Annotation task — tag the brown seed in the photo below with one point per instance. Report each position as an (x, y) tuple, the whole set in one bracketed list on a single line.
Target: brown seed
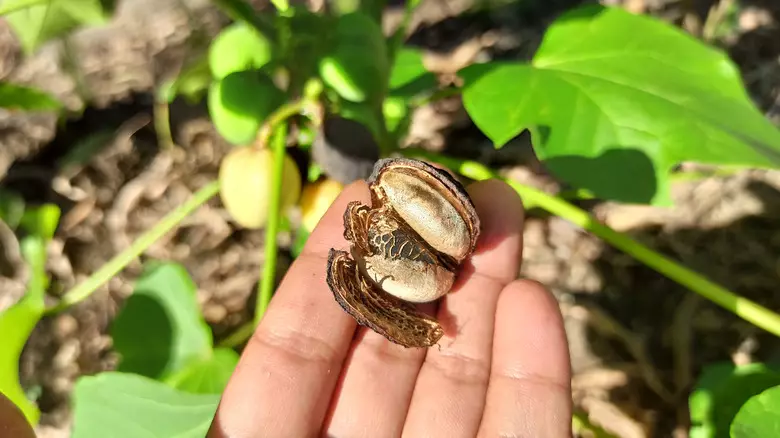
[(405, 249)]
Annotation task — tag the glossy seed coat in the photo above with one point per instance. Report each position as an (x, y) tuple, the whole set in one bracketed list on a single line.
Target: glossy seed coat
[(405, 249)]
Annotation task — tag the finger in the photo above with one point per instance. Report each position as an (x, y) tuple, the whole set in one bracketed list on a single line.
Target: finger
[(530, 390), (450, 392), (12, 421), (378, 367), (287, 372)]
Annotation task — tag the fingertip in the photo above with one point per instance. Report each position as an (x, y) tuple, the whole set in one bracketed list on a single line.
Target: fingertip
[(12, 420), (530, 387), (529, 319)]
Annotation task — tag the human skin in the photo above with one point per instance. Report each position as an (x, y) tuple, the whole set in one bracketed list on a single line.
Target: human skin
[(12, 421), (501, 369)]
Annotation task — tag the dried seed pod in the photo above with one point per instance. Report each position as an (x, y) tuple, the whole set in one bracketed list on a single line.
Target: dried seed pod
[(405, 249)]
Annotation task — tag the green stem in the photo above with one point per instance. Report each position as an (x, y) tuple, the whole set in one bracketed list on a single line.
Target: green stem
[(740, 306), (141, 244), (20, 5), (267, 280), (162, 124), (238, 337), (270, 126)]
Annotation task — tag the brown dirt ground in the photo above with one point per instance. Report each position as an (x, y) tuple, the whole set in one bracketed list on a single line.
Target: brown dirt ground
[(637, 339)]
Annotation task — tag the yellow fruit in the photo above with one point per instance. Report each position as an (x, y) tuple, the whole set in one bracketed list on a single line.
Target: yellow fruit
[(246, 180), (316, 199)]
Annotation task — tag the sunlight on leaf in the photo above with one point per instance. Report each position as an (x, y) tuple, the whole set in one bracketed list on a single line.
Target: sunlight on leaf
[(132, 406), (720, 392), (45, 21), (192, 82), (240, 102), (409, 77), (207, 376), (605, 81), (758, 417)]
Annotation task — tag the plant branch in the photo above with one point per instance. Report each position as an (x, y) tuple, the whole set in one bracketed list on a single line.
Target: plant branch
[(282, 113), (141, 244), (738, 305), (268, 277)]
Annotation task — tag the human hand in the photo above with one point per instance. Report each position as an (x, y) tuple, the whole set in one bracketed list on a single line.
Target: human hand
[(12, 421), (502, 369)]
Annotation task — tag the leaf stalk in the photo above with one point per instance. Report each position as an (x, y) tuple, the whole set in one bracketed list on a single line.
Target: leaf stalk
[(742, 307)]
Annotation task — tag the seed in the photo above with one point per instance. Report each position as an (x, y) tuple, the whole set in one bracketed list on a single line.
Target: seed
[(405, 249)]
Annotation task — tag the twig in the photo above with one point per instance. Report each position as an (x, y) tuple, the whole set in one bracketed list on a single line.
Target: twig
[(116, 264), (268, 276)]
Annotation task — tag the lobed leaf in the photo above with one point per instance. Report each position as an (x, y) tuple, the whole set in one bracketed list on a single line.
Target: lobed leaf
[(615, 100)]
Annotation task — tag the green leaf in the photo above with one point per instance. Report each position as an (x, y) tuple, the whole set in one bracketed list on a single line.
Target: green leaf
[(12, 207), (207, 376), (16, 324), (363, 113), (720, 392), (409, 77), (372, 8), (615, 100), (242, 11), (41, 221), (240, 102), (132, 406), (159, 330), (303, 37), (357, 64), (238, 47), (191, 82), (40, 23), (18, 97), (758, 417)]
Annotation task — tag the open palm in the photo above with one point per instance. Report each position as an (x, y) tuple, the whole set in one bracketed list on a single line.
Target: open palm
[(502, 368)]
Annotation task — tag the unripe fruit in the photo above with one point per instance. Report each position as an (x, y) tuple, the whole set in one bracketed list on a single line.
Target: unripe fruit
[(246, 181), (316, 199)]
